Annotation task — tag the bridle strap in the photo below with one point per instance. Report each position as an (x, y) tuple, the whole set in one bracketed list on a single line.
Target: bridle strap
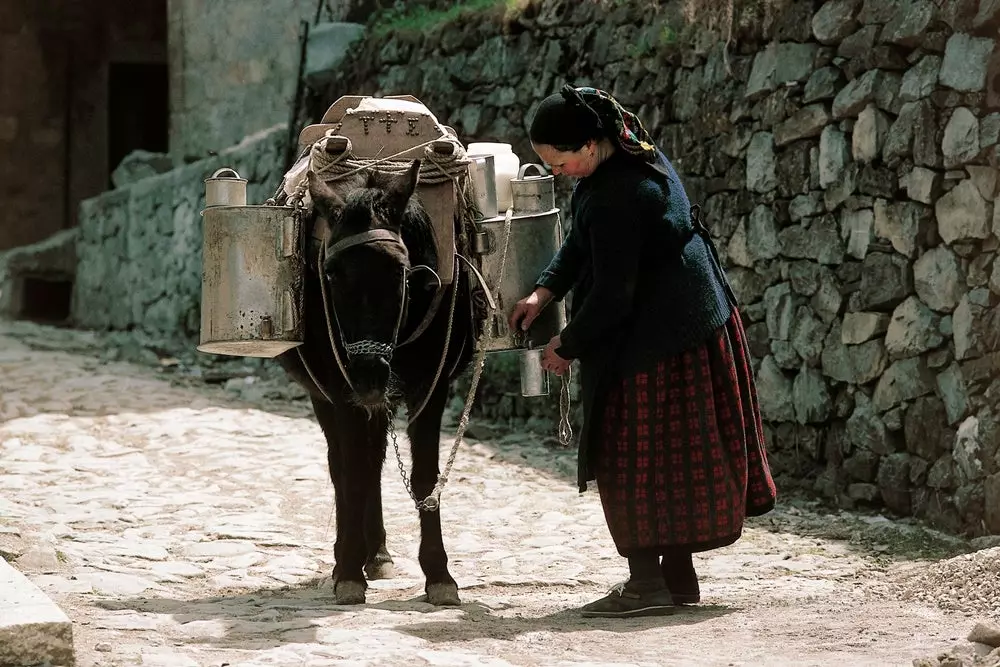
[(361, 238)]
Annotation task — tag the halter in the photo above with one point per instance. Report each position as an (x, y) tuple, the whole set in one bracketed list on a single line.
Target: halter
[(381, 349)]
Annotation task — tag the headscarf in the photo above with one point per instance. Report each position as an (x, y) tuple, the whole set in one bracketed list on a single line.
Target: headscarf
[(574, 115)]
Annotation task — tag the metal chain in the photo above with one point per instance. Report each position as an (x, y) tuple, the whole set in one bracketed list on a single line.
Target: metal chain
[(565, 427), (433, 500)]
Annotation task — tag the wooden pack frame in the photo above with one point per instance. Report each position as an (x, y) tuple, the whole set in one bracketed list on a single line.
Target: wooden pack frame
[(382, 133)]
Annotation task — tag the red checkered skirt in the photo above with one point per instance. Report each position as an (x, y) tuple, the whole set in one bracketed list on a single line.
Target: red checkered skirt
[(681, 459)]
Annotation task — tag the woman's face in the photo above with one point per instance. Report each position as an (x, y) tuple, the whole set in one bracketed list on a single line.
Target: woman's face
[(578, 164)]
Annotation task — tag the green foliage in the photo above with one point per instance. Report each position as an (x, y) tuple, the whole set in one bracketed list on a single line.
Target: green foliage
[(411, 17)]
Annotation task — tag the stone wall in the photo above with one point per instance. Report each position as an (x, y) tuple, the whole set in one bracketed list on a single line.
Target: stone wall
[(139, 248), (847, 164)]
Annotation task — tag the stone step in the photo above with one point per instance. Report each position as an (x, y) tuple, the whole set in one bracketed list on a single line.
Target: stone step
[(33, 630)]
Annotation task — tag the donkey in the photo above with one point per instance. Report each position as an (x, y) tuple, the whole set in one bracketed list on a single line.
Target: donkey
[(380, 342)]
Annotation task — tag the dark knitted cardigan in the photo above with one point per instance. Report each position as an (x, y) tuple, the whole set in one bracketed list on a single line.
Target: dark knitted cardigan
[(647, 286)]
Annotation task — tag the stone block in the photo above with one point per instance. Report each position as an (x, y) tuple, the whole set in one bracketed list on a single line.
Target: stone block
[(963, 214), (869, 134), (861, 327), (778, 64), (858, 228), (835, 20), (823, 84), (925, 428), (920, 80), (909, 23), (913, 329), (820, 241), (810, 397), (855, 364), (853, 97), (761, 163), (806, 122), (960, 143), (921, 184), (938, 279), (774, 390), (834, 156), (886, 279), (762, 234), (966, 60), (33, 630), (954, 394), (907, 225), (904, 380)]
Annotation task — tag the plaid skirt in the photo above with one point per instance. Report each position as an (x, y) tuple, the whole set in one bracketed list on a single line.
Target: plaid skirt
[(681, 458)]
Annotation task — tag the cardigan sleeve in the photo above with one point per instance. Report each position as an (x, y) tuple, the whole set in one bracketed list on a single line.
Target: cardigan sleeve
[(564, 269), (615, 231)]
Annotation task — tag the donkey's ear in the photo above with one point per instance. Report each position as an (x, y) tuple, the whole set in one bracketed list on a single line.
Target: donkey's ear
[(325, 200), (404, 185)]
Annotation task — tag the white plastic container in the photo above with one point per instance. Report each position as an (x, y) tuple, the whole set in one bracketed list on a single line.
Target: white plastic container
[(505, 163)]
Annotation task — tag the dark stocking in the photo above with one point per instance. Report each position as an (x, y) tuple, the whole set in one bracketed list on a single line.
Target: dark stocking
[(644, 569), (679, 573)]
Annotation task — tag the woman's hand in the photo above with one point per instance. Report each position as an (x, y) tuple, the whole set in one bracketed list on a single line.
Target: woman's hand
[(553, 362), (528, 308)]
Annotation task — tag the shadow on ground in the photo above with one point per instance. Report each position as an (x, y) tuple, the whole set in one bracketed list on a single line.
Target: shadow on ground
[(269, 618)]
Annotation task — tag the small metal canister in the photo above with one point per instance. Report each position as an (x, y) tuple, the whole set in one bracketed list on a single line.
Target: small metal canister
[(482, 171), (534, 378), (225, 188), (533, 194)]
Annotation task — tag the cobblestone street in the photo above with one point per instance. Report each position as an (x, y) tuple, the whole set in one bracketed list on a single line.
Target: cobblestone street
[(179, 524)]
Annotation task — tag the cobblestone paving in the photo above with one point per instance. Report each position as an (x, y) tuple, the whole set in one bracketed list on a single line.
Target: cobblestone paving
[(178, 526)]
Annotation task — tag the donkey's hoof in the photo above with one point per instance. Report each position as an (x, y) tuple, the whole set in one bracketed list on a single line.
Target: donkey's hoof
[(349, 592), (441, 595), (380, 570)]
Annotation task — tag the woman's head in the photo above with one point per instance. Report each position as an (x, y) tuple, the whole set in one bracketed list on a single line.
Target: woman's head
[(565, 132), (572, 126)]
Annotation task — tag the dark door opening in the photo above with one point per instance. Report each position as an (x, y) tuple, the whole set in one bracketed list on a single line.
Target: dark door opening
[(138, 110), (45, 299)]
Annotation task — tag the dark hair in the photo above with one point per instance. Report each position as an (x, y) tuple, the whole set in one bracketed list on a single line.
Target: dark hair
[(565, 122)]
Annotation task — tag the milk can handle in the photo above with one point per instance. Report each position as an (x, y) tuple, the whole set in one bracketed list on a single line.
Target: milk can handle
[(524, 168), (223, 170)]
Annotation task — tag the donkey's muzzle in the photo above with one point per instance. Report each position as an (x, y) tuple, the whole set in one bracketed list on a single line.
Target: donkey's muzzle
[(370, 376)]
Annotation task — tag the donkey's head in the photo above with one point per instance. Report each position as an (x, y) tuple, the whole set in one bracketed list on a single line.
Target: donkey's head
[(366, 271)]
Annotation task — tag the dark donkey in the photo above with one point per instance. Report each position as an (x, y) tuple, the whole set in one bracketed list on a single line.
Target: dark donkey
[(387, 336)]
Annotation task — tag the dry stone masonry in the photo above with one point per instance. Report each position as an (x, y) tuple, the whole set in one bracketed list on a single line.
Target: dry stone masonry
[(847, 165), (845, 154)]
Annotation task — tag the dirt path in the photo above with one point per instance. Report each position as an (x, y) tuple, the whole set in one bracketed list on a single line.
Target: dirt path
[(179, 526)]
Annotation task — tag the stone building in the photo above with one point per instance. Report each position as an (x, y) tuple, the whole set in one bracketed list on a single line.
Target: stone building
[(85, 84)]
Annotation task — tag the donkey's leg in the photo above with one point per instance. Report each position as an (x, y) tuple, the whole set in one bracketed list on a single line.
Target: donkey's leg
[(425, 440), (379, 563), (355, 471)]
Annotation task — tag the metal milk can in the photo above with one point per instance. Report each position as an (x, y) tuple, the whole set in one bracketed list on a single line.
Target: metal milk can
[(252, 273), (534, 238)]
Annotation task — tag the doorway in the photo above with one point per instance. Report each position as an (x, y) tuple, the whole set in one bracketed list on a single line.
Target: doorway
[(138, 110)]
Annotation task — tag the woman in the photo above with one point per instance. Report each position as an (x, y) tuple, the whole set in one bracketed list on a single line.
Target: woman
[(672, 431)]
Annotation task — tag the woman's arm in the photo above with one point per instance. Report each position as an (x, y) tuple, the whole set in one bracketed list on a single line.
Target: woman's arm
[(615, 241), (564, 269)]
